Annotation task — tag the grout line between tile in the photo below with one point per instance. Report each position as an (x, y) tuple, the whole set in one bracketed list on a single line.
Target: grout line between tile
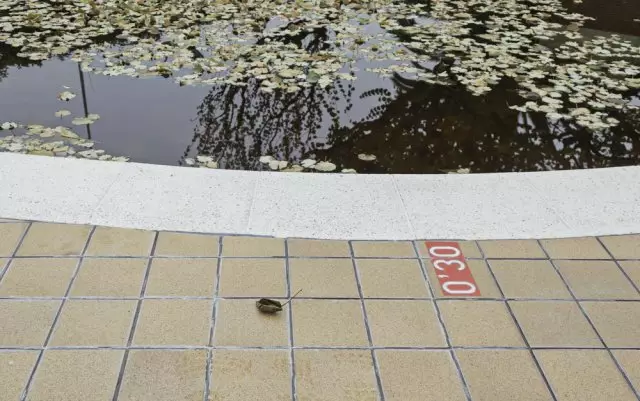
[(299, 257), (136, 316), (15, 251), (171, 297), (586, 316), (212, 327), (452, 354), (618, 264), (374, 358), (25, 393), (524, 337), (302, 347), (624, 372), (292, 360)]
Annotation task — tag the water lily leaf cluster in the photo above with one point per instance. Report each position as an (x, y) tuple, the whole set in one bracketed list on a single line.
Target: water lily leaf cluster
[(201, 161), (537, 44), (306, 165), (58, 141), (291, 45)]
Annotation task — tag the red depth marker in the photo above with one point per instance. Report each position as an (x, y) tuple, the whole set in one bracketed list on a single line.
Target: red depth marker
[(451, 269)]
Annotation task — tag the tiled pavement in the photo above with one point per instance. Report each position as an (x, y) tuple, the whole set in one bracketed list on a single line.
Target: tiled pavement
[(112, 314)]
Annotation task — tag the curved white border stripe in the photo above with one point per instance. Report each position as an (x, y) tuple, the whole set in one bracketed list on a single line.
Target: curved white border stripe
[(333, 206)]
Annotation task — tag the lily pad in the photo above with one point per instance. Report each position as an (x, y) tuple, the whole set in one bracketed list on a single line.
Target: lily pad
[(62, 113), (325, 166), (366, 157), (66, 96)]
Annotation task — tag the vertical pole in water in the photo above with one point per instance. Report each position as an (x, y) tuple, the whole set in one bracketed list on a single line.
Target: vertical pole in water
[(84, 100)]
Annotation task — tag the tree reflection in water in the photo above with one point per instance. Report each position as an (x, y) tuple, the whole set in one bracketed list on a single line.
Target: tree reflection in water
[(414, 128), (237, 125), (421, 128)]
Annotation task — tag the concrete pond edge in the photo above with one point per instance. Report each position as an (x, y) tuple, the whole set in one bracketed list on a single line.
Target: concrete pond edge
[(552, 204)]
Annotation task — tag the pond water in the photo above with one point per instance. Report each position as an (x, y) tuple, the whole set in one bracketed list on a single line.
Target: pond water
[(408, 125)]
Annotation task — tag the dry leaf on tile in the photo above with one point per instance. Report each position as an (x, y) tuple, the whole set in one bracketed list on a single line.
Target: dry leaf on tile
[(266, 305)]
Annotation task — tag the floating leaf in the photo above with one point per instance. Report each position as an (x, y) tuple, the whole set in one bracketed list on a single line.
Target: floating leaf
[(367, 158), (62, 113), (67, 133), (66, 96), (8, 125), (204, 159), (308, 163), (266, 159), (293, 169), (278, 164), (325, 166), (82, 121)]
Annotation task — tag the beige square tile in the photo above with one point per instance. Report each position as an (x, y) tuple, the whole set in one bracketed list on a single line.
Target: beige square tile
[(38, 277), (529, 279), (323, 277), (46, 239), (575, 248), (185, 244), (526, 249), (109, 277), (504, 375), (404, 324), (381, 278), (250, 375), (419, 376), (164, 375), (335, 375), (632, 268), (617, 322), (10, 234), (15, 368), (26, 323), (182, 277), (630, 362), (339, 323), (623, 246), (318, 248), (469, 249), (480, 272), (173, 322), (76, 375), (239, 323), (585, 375), (384, 249), (596, 280), (479, 323), (110, 241), (94, 322), (554, 324), (252, 246), (253, 278)]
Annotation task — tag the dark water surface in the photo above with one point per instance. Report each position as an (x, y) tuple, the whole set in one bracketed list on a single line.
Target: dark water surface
[(411, 127)]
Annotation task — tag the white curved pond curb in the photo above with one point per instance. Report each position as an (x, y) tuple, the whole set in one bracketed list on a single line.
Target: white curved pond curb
[(329, 206)]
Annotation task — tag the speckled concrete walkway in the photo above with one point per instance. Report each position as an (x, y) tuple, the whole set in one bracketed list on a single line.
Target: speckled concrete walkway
[(95, 313)]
